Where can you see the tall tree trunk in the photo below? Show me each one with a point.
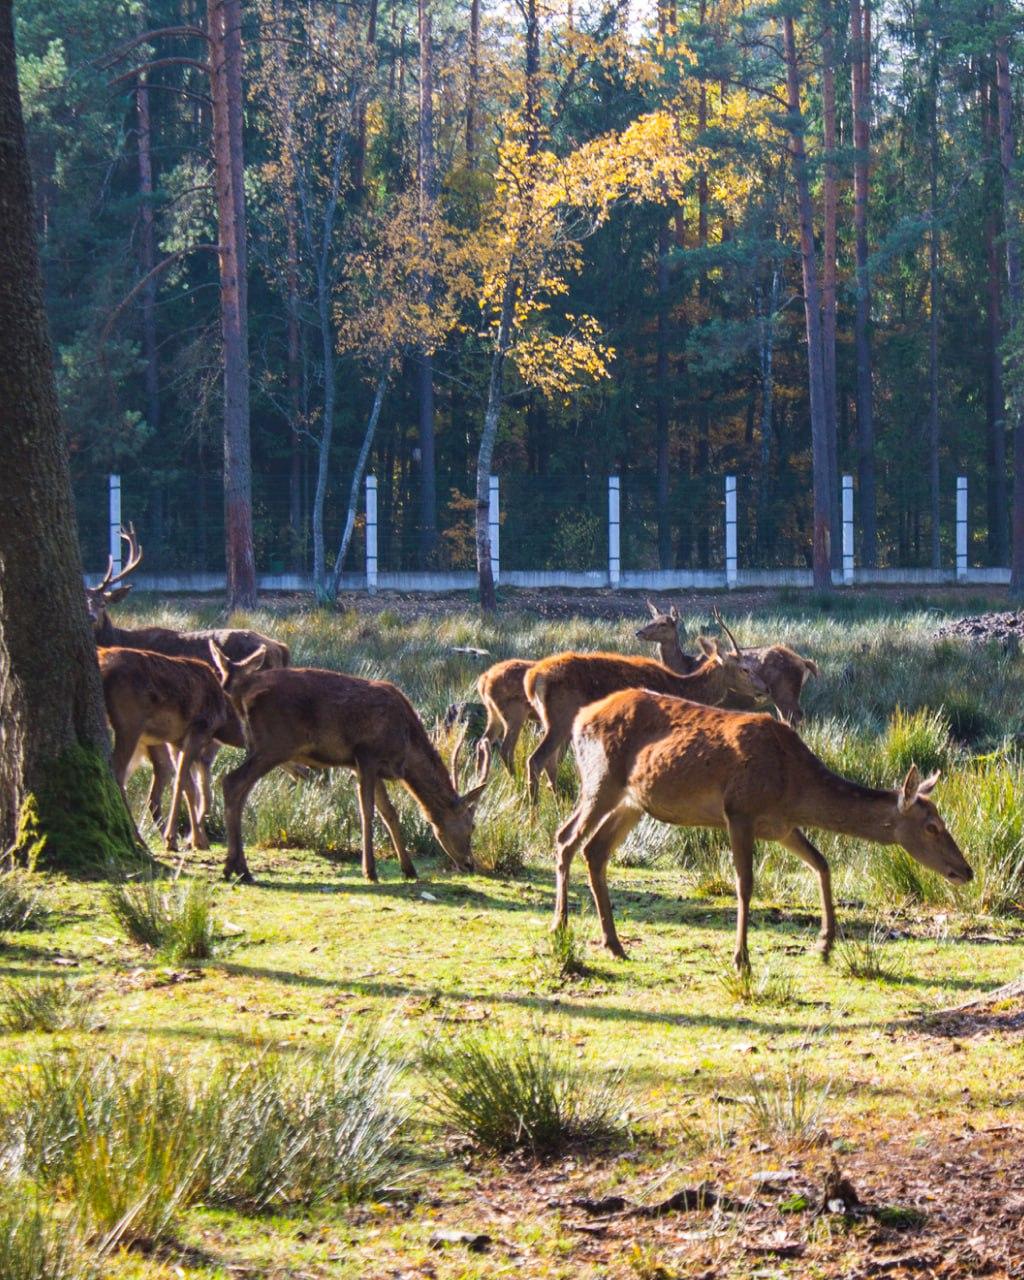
(495, 399)
(359, 157)
(860, 58)
(828, 273)
(532, 106)
(1015, 291)
(224, 19)
(662, 394)
(822, 558)
(147, 257)
(996, 405)
(57, 795)
(703, 409)
(357, 481)
(933, 296)
(473, 87)
(320, 581)
(428, 470)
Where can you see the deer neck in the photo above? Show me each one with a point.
(426, 777)
(706, 684)
(834, 803)
(671, 655)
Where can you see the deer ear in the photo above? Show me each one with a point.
(673, 613)
(118, 593)
(928, 786)
(472, 798)
(810, 667)
(910, 788)
(652, 609)
(255, 660)
(221, 662)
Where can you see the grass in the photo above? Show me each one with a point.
(44, 1004)
(869, 957)
(37, 1246)
(326, 1153)
(175, 920)
(21, 903)
(507, 1093)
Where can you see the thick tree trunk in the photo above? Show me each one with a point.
(1015, 292)
(828, 275)
(860, 58)
(822, 558)
(57, 795)
(933, 318)
(662, 394)
(224, 19)
(998, 543)
(495, 399)
(428, 472)
(147, 257)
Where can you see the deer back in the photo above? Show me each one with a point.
(157, 689)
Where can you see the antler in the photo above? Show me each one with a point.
(717, 615)
(483, 760)
(134, 560)
(460, 742)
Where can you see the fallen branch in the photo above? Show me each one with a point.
(1008, 991)
(688, 1200)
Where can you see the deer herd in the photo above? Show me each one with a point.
(679, 739)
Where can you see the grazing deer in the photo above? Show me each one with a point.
(153, 700)
(238, 643)
(323, 719)
(644, 753)
(508, 708)
(559, 686)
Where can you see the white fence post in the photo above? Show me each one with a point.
(494, 530)
(115, 522)
(613, 531)
(371, 533)
(730, 531)
(848, 531)
(961, 528)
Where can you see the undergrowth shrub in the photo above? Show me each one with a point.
(174, 919)
(44, 1004)
(34, 1245)
(509, 1091)
(21, 904)
(786, 1107)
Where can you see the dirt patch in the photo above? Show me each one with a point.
(1005, 628)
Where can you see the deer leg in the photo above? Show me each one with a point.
(236, 787)
(204, 767)
(580, 826)
(545, 750)
(163, 773)
(189, 750)
(798, 843)
(552, 766)
(741, 837)
(390, 819)
(598, 850)
(366, 785)
(513, 728)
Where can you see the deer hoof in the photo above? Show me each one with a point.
(410, 873)
(171, 844)
(824, 949)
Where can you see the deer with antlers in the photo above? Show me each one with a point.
(238, 643)
(153, 702)
(559, 686)
(323, 719)
(640, 753)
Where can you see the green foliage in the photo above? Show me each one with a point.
(920, 737)
(513, 1092)
(174, 919)
(77, 820)
(37, 1246)
(44, 1004)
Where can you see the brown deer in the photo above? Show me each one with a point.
(644, 753)
(238, 643)
(153, 700)
(559, 686)
(663, 631)
(783, 673)
(324, 719)
(508, 708)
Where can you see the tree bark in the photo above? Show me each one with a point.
(357, 481)
(933, 318)
(828, 273)
(860, 58)
(662, 394)
(1015, 297)
(822, 558)
(57, 795)
(147, 257)
(427, 194)
(495, 399)
(224, 19)
(996, 405)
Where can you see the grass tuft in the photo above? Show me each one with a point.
(176, 920)
(786, 1108)
(44, 1004)
(21, 906)
(505, 1092)
(773, 986)
(869, 959)
(34, 1246)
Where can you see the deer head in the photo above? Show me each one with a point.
(737, 674)
(663, 627)
(233, 675)
(106, 592)
(921, 831)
